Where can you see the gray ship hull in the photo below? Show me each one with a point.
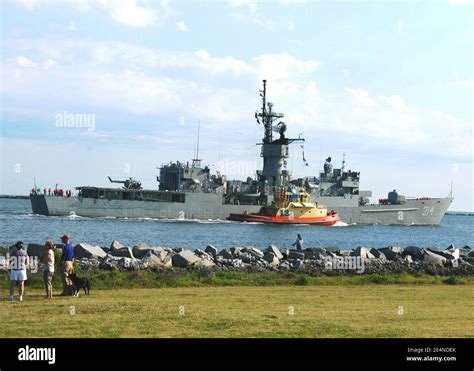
(209, 206)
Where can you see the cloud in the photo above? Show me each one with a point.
(281, 66)
(49, 63)
(464, 83)
(28, 4)
(120, 78)
(361, 97)
(237, 3)
(63, 27)
(463, 2)
(291, 26)
(182, 26)
(126, 12)
(289, 2)
(395, 101)
(249, 13)
(129, 13)
(25, 62)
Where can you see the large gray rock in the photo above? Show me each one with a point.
(378, 254)
(445, 254)
(415, 252)
(204, 263)
(116, 245)
(86, 250)
(202, 254)
(297, 264)
(271, 259)
(236, 263)
(128, 264)
(89, 264)
(108, 263)
(140, 250)
(285, 265)
(253, 251)
(211, 250)
(185, 259)
(247, 258)
(456, 253)
(294, 254)
(465, 251)
(433, 258)
(124, 252)
(32, 250)
(151, 261)
(341, 253)
(36, 250)
(226, 254)
(391, 252)
(363, 252)
(321, 250)
(285, 252)
(273, 249)
(315, 255)
(235, 251)
(166, 258)
(334, 250)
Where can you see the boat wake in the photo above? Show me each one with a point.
(341, 224)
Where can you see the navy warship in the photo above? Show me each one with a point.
(189, 191)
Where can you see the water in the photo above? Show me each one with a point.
(18, 223)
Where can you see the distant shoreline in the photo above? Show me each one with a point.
(15, 197)
(461, 213)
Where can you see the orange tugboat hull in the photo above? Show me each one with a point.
(328, 220)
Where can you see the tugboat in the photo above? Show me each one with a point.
(290, 207)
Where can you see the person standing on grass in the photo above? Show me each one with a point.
(18, 263)
(48, 272)
(67, 267)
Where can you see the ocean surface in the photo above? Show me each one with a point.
(18, 223)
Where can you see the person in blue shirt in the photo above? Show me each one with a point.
(67, 268)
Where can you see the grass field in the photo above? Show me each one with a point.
(362, 310)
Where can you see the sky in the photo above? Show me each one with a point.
(117, 87)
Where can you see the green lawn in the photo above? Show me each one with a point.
(363, 310)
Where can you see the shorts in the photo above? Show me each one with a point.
(18, 275)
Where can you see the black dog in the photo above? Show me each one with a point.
(80, 283)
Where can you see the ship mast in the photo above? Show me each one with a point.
(267, 115)
(197, 160)
(274, 152)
